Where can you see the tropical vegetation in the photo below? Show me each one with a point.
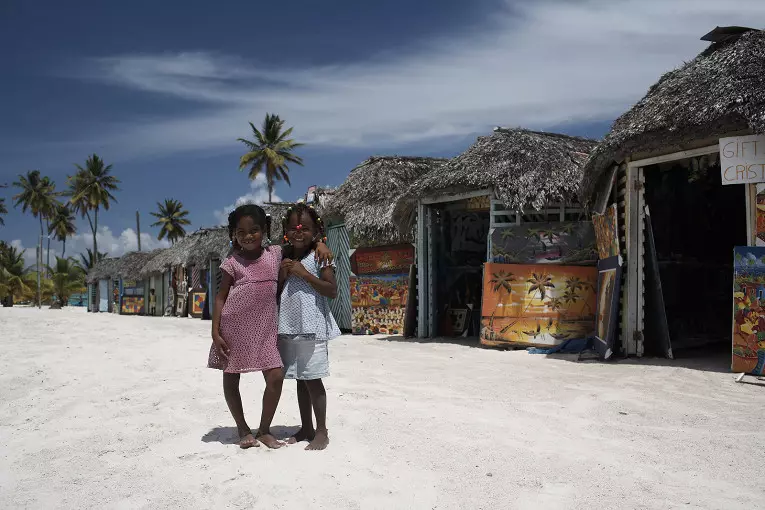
(3, 211)
(67, 278)
(171, 218)
(62, 225)
(91, 189)
(270, 152)
(37, 193)
(88, 260)
(16, 283)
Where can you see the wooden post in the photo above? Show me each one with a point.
(138, 228)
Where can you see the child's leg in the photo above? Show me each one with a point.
(306, 431)
(273, 392)
(234, 401)
(319, 402)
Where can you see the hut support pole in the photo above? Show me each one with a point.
(422, 262)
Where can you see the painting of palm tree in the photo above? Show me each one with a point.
(546, 243)
(543, 306)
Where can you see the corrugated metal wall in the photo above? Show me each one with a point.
(340, 244)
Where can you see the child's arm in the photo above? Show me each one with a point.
(220, 300)
(326, 285)
(323, 254)
(284, 273)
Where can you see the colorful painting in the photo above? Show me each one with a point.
(197, 302)
(609, 283)
(749, 310)
(606, 233)
(759, 234)
(386, 259)
(571, 243)
(132, 305)
(379, 304)
(537, 305)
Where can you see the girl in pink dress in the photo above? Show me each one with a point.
(245, 319)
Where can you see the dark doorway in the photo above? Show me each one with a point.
(696, 223)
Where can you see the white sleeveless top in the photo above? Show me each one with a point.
(303, 311)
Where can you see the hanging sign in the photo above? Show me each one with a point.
(742, 159)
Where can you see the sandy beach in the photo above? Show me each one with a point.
(106, 411)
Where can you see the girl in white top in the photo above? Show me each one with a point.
(305, 321)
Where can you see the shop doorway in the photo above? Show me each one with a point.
(696, 222)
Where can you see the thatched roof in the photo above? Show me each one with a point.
(277, 210)
(104, 269)
(367, 197)
(721, 91)
(523, 168)
(195, 248)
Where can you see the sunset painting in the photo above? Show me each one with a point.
(537, 305)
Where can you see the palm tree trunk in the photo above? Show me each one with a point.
(95, 241)
(47, 256)
(63, 251)
(270, 192)
(39, 258)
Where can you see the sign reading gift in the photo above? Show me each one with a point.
(742, 159)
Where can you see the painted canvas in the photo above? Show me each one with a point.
(749, 310)
(387, 259)
(132, 305)
(197, 302)
(609, 284)
(759, 234)
(379, 304)
(606, 233)
(537, 305)
(571, 243)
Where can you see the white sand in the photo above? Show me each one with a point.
(104, 411)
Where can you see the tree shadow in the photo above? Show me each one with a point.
(229, 435)
(473, 341)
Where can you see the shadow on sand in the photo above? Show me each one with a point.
(228, 435)
(471, 341)
(709, 358)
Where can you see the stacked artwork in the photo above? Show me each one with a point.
(537, 305)
(379, 304)
(609, 283)
(570, 243)
(759, 234)
(606, 233)
(749, 310)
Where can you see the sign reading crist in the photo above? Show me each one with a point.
(742, 159)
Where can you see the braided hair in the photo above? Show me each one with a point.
(299, 210)
(253, 211)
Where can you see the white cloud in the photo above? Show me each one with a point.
(258, 195)
(533, 64)
(113, 245)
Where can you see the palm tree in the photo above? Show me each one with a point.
(3, 211)
(38, 195)
(88, 262)
(540, 283)
(62, 225)
(171, 217)
(15, 279)
(67, 278)
(270, 152)
(91, 189)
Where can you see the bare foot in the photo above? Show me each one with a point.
(248, 441)
(320, 442)
(301, 436)
(270, 441)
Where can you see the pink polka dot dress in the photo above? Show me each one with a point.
(250, 316)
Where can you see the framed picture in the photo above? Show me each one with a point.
(609, 286)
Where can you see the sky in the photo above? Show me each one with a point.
(162, 90)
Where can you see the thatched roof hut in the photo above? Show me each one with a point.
(720, 92)
(277, 210)
(523, 168)
(367, 197)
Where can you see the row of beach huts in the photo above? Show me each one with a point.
(533, 238)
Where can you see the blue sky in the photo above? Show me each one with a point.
(162, 89)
